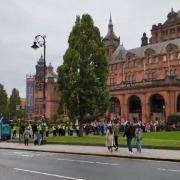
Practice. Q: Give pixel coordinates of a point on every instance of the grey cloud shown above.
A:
(21, 20)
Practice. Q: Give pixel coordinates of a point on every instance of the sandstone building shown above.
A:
(52, 95)
(144, 82)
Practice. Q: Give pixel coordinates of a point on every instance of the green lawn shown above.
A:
(169, 139)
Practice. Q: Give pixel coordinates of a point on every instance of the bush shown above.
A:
(173, 119)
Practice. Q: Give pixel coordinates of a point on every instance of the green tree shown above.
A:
(3, 102)
(14, 105)
(83, 75)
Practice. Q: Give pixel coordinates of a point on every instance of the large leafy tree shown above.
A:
(83, 75)
(14, 104)
(3, 102)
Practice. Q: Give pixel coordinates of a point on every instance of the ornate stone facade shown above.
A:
(144, 82)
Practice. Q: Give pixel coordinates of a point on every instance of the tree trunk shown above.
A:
(80, 129)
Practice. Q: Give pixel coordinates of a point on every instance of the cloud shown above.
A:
(21, 20)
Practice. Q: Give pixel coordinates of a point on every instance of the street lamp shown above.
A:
(40, 41)
(164, 113)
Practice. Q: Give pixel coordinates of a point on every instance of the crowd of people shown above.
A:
(110, 128)
(131, 130)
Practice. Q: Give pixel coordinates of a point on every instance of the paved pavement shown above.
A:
(151, 154)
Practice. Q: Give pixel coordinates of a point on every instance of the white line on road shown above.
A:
(90, 162)
(168, 170)
(20, 155)
(47, 174)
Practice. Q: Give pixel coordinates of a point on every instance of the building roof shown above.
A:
(159, 48)
(111, 35)
(172, 19)
(119, 54)
(51, 75)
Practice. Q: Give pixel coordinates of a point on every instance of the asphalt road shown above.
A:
(22, 165)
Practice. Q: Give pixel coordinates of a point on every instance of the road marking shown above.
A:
(20, 155)
(47, 174)
(168, 170)
(89, 162)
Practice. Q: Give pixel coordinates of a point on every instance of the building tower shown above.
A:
(39, 77)
(52, 94)
(111, 40)
(30, 92)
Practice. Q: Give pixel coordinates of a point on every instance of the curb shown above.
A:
(94, 154)
(102, 145)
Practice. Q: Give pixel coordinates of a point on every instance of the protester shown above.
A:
(14, 131)
(26, 135)
(109, 138)
(138, 137)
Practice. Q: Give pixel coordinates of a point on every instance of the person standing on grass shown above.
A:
(26, 135)
(138, 137)
(109, 138)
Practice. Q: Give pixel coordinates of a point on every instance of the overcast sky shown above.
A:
(21, 20)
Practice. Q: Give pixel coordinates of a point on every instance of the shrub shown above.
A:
(173, 119)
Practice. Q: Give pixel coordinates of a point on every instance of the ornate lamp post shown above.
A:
(40, 41)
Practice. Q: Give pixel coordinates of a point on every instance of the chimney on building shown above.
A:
(144, 40)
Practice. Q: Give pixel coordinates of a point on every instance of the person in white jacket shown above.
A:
(110, 138)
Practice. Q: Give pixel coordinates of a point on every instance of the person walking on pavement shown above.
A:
(110, 138)
(26, 135)
(116, 134)
(129, 133)
(138, 137)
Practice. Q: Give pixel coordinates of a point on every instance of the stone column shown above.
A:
(124, 108)
(143, 107)
(172, 102)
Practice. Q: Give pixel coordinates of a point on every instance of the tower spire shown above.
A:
(110, 19)
(110, 26)
(111, 40)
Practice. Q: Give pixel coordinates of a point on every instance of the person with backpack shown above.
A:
(26, 135)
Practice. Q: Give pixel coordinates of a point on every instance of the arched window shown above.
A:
(115, 106)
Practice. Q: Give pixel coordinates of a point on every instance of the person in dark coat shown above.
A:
(129, 133)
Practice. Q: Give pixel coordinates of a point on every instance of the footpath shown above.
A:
(147, 154)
